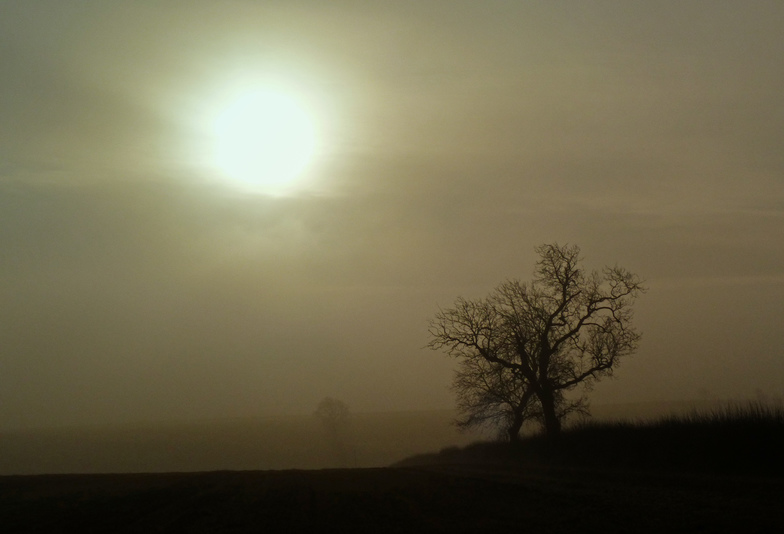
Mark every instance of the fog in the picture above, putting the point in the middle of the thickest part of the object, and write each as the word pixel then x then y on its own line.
pixel 139 285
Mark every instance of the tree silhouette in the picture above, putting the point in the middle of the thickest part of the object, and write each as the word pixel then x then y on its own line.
pixel 334 416
pixel 536 341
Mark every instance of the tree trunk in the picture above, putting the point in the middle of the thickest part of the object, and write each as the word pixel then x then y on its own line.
pixel 520 414
pixel 552 424
pixel 514 427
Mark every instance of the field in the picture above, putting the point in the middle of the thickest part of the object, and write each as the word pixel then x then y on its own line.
pixel 712 473
pixel 292 442
pixel 263 443
pixel 424 499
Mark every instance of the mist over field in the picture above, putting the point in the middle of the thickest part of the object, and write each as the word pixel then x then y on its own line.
pixel 293 442
pixel 213 215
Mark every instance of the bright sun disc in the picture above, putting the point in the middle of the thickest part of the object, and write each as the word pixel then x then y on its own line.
pixel 264 140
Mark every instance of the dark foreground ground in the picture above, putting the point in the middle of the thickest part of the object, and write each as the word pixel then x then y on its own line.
pixel 443 498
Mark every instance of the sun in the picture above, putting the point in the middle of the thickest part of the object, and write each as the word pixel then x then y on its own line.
pixel 264 140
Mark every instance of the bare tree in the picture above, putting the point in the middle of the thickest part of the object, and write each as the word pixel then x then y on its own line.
pixel 334 416
pixel 565 328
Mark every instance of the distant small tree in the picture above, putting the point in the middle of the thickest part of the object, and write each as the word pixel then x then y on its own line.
pixel 537 341
pixel 333 414
pixel 334 417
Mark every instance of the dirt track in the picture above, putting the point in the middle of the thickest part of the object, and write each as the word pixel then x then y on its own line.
pixel 436 499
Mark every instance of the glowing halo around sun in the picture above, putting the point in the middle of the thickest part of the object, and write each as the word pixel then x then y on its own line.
pixel 264 140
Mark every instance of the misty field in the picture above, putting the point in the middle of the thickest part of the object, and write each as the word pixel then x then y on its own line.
pixel 293 442
pixel 599 478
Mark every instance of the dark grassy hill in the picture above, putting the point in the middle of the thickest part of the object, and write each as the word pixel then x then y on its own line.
pixel 736 439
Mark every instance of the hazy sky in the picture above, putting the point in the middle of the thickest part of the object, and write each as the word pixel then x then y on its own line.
pixel 138 283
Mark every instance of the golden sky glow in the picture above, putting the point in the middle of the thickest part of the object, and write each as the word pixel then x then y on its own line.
pixel 218 209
